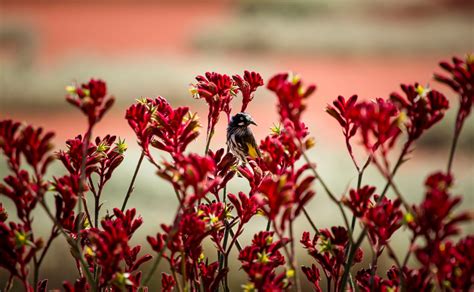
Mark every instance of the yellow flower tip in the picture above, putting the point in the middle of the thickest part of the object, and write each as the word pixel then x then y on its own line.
pixel 249 287
pixel 309 143
pixel 293 77
pixel 89 251
pixel 290 273
pixel 470 58
pixel 408 218
pixel 121 146
pixel 202 257
pixel 193 91
pixel 276 129
pixel 263 257
pixel 269 240
pixel 71 89
pixel 442 247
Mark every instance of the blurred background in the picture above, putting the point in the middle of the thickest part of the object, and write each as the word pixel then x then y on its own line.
pixel 150 48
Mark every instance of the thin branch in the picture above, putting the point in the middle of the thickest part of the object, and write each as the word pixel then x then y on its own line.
pixel 132 183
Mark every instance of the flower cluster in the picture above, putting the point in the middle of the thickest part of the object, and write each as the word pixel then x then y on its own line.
pixel 328 248
pixel 91 98
pixel 461 80
pixel 260 261
pixel 422 107
pixel 156 123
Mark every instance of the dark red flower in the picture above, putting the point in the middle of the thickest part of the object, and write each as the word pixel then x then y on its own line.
pixel 313 276
pixel 291 96
pixel 247 86
pixel 413 279
pixel 80 285
pixel 328 248
pixel 3 213
pixel 91 99
pixel 72 157
pixel 423 107
pixel 17 250
pixel 382 220
pixel 10 133
pixel 218 91
pixel 245 206
pixel 461 80
pixel 190 176
pixel 342 111
pixel 260 261
pixel 67 190
pixel 167 282
pixel 359 200
pixel 288 192
pixel 225 169
pixel 254 176
pixel 368 282
pixel 378 122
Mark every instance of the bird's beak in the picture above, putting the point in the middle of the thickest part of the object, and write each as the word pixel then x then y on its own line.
pixel 253 123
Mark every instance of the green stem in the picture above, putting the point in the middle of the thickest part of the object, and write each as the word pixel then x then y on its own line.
pixel 132 183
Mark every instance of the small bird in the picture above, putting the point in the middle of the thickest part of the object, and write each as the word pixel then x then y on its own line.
pixel 240 139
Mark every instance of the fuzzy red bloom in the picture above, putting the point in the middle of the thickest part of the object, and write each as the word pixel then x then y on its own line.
pixel 167 282
pixel 328 248
pixel 245 206
pixel 91 99
pixel 254 176
pixel 211 275
pixel 17 250
pixel 288 192
pixel 225 169
pixel 247 86
pixel 422 107
pixel 382 220
pixel 291 96
pixel 72 157
pixel 260 261
pixel 378 123
pixel 218 91
pixel 3 213
pixel 313 276
pixel 10 133
pixel 80 285
pixel 110 246
pixel 461 80
pixel 359 200
pixel 434 217
pixel 67 189
pixel 213 215
pixel 414 279
pixel 155 122
pixel 366 282
pixel 190 176
pixel 342 111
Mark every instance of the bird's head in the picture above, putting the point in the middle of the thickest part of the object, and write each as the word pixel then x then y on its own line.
pixel 241 120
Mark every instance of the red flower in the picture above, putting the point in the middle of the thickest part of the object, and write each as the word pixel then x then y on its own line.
pixel 378 123
pixel 218 91
pixel 288 192
pixel 190 176
pixel 91 99
pixel 3 213
pixel 313 276
pixel 245 206
pixel 167 282
pixel 155 122
pixel 247 86
pixel 10 133
pixel 17 250
pixel 382 220
pixel 67 189
pixel 225 169
pixel 72 157
pixel 461 80
pixel 413 279
pixel 291 95
pixel 254 176
pixel 366 282
pixel 359 200
pixel 434 217
pixel 423 108
pixel 342 111
pixel 260 261
pixel 328 248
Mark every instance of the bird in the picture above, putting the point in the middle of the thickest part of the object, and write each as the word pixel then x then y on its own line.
pixel 240 139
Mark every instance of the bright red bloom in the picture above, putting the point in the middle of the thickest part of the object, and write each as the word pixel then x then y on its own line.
pixel 10 135
pixel 423 107
pixel 110 246
pixel 313 276
pixel 91 99
pixel 328 248
pixel 245 206
pixel 225 169
pixel 211 275
pixel 260 261
pixel 167 282
pixel 17 250
pixel 359 200
pixel 434 217
pixel 382 220
pixel 254 176
pixel 288 192
pixel 413 279
pixel 218 91
pixel 461 80
pixel 378 123
pixel 366 282
pixel 342 111
pixel 190 176
pixel 247 86
pixel 291 96
pixel 67 189
pixel 155 122
pixel 80 285
pixel 213 215
pixel 72 157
